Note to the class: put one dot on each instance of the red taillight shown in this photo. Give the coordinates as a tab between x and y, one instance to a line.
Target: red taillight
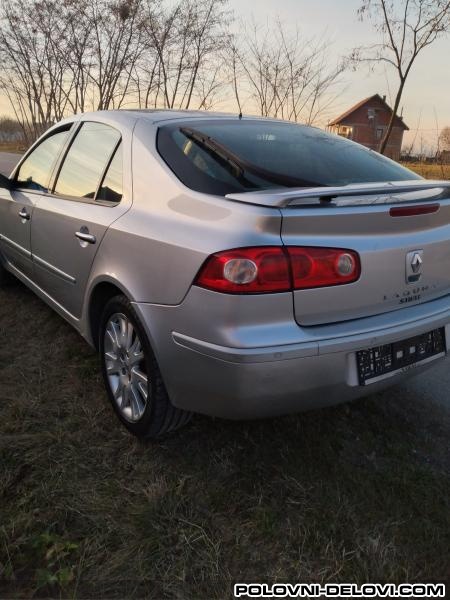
320	267
268	269
246	271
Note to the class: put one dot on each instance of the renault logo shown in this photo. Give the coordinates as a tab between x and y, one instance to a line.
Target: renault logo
414	266
416	263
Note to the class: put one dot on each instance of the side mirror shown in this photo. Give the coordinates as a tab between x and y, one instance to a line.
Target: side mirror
6	183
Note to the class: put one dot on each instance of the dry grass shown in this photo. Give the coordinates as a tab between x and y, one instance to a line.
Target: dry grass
430	171
12	147
355	493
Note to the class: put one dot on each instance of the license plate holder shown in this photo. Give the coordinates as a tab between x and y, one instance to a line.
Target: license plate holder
382	362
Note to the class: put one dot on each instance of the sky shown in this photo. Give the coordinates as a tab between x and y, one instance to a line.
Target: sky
426	100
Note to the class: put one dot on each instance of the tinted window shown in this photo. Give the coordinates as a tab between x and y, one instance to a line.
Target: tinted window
111	188
86	160
35	171
225	156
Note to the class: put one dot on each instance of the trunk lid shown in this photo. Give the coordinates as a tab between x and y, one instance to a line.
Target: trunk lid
405	260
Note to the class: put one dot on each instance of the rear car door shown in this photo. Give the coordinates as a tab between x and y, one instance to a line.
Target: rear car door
17	205
69	224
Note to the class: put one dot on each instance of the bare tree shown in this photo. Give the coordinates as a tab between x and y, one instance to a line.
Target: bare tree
183	55
444	138
29	76
57	58
406	28
116	30
284	74
235	73
72	42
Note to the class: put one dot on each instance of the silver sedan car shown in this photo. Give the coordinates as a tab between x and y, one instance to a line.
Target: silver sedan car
236	267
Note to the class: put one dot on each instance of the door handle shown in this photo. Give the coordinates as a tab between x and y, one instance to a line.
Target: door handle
24	214
85	236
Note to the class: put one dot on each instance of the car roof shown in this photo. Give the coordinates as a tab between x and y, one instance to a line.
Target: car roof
161	115
164	114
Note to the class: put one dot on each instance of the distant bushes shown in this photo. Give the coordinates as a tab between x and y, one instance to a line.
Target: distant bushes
11	131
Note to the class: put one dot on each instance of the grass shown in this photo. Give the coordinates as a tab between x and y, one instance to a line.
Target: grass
430	171
14	147
359	492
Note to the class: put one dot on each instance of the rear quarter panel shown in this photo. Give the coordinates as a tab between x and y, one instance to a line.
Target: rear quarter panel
155	250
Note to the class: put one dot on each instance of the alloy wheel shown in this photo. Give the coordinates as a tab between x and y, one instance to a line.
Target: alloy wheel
125	367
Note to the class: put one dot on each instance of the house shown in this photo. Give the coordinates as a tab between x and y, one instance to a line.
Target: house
366	123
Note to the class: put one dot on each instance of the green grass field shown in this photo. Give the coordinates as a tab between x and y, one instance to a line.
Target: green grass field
358	493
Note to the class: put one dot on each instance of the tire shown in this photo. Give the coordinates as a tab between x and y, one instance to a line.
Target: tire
124	372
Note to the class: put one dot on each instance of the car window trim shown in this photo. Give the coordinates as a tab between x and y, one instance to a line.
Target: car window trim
62	158
99	187
93	200
66	127
104	203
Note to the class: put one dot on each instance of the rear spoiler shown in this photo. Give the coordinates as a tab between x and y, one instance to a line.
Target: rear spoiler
348	195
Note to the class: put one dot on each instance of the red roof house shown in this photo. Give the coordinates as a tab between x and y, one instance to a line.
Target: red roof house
366	123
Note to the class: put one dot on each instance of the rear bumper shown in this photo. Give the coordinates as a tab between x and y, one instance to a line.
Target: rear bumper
267	380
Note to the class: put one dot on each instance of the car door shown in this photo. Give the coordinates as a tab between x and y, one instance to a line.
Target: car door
17	205
69	224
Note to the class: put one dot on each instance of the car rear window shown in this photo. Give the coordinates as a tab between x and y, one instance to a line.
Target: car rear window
228	156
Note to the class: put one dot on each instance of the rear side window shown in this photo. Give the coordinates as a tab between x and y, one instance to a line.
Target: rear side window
226	156
35	171
86	160
111	187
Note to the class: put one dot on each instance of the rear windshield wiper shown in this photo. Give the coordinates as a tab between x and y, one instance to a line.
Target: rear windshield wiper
215	149
238	166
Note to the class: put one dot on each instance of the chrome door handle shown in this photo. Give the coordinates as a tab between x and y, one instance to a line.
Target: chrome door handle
24	215
86	237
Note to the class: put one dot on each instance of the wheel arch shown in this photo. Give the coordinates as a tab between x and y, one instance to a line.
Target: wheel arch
100	293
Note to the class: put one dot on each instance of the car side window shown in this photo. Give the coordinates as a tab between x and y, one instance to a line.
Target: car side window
111	189
86	160
35	171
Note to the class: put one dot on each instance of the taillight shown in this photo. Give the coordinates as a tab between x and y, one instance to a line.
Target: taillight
320	267
269	269
246	271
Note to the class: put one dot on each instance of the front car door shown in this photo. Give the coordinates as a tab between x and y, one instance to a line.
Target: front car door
17	206
69	223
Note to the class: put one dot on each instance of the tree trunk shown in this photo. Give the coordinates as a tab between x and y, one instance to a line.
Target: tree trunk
398	98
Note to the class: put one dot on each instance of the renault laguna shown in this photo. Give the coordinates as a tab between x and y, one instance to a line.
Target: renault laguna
232	266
